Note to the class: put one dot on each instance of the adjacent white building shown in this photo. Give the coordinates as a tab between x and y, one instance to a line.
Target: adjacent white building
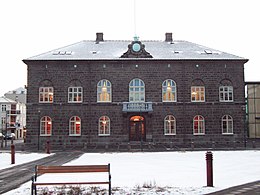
13	113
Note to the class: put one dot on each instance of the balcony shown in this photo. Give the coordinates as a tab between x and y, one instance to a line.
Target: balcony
13	112
137	107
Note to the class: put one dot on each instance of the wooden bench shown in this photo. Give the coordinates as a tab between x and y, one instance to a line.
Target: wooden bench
39	170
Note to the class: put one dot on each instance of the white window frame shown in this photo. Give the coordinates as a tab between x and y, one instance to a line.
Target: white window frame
104	91
75	94
229	122
169	122
226	94
44	122
136	90
74	121
3	107
201	125
197	94
104	126
46	94
169	91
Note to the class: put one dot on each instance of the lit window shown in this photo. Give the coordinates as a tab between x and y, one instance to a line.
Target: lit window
227	124
75	126
46	94
75	94
136	91
169	91
198	125
169	125
104	91
46	126
198	94
226	94
104	126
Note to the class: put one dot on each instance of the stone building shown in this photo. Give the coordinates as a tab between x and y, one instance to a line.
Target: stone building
113	93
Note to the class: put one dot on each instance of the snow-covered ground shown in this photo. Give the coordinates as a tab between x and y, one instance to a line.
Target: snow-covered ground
177	172
20	158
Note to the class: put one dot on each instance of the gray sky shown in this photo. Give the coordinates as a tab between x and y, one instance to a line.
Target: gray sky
31	27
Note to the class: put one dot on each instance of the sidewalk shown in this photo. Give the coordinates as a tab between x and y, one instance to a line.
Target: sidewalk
12	178
245	189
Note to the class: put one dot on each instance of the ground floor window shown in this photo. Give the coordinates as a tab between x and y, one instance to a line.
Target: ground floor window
169	125
227	124
75	126
104	126
198	125
45	126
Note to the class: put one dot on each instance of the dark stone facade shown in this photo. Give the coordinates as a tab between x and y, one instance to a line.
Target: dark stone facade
60	73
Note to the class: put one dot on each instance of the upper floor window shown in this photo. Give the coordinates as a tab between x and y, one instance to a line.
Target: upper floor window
75	126
136	91
46	94
104	126
46	126
227	124
198	94
226	94
75	94
3	107
198	125
169	125
104	91
169	91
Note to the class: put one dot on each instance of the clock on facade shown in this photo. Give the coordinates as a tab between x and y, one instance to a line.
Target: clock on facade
136	47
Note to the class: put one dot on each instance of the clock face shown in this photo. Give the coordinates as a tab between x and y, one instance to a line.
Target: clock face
136	47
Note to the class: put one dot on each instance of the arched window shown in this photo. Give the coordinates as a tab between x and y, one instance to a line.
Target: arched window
226	91
104	126
169	125
75	126
104	91
169	91
136	91
198	125
197	91
227	124
45	126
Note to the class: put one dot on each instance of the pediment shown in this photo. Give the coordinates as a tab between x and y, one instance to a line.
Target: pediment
136	50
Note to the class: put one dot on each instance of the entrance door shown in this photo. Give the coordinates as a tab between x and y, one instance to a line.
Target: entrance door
137	129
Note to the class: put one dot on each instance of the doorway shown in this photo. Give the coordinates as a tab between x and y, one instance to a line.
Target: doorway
137	129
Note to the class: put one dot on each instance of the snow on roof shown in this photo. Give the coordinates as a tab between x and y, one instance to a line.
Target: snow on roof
112	50
6	100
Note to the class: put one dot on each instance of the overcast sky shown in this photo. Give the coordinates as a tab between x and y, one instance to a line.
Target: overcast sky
31	27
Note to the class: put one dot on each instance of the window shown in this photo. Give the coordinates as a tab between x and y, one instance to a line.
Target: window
75	126
136	91
198	94
104	91
46	94
198	125
226	94
104	126
169	125
227	124
169	91
75	94
3	120
3	108
46	126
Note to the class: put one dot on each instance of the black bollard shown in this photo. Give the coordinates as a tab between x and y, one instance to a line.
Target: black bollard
12	154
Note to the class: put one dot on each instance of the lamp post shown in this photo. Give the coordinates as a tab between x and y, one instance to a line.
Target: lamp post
39	129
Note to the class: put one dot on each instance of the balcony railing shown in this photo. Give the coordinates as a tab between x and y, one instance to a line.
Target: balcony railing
13	112
137	107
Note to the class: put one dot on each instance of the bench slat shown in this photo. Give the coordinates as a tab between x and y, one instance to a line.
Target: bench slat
70	183
72	169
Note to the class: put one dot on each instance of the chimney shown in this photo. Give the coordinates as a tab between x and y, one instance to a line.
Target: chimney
168	37
99	37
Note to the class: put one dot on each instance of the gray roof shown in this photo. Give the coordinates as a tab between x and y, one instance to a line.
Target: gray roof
112	50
